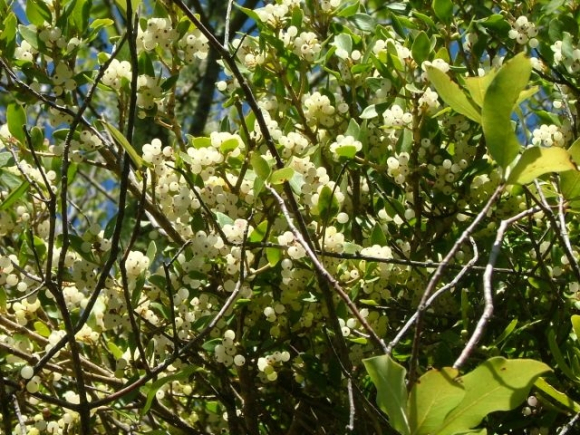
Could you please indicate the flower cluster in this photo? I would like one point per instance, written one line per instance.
(524, 32)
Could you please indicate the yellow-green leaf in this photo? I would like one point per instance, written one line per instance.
(124, 143)
(496, 385)
(389, 379)
(499, 102)
(433, 396)
(452, 94)
(537, 161)
(478, 85)
(281, 175)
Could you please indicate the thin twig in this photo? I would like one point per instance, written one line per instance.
(487, 286)
(437, 275)
(450, 285)
(227, 25)
(568, 426)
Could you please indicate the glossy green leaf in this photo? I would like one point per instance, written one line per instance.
(37, 12)
(537, 161)
(16, 119)
(344, 42)
(273, 255)
(421, 48)
(547, 391)
(14, 196)
(452, 94)
(477, 86)
(570, 184)
(389, 378)
(42, 329)
(496, 385)
(443, 10)
(30, 35)
(433, 396)
(124, 143)
(258, 233)
(180, 376)
(8, 35)
(500, 98)
(327, 204)
(260, 165)
(151, 251)
(281, 175)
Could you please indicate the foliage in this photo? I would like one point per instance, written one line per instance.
(266, 217)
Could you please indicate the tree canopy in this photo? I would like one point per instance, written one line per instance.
(289, 217)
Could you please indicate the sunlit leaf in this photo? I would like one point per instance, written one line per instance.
(124, 143)
(496, 385)
(499, 102)
(433, 396)
(452, 94)
(389, 379)
(537, 161)
(14, 196)
(281, 175)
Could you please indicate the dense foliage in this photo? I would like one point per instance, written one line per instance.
(297, 216)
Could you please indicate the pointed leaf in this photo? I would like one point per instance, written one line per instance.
(124, 143)
(570, 184)
(500, 98)
(496, 385)
(546, 390)
(327, 204)
(537, 161)
(433, 396)
(421, 48)
(281, 175)
(451, 93)
(16, 119)
(14, 196)
(389, 379)
(443, 10)
(477, 86)
(260, 165)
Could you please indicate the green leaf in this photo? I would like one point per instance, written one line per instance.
(259, 232)
(281, 175)
(496, 385)
(389, 379)
(14, 196)
(537, 161)
(260, 165)
(575, 319)
(559, 358)
(328, 205)
(477, 86)
(421, 48)
(443, 10)
(16, 119)
(364, 22)
(8, 35)
(546, 390)
(29, 35)
(124, 143)
(183, 374)
(433, 396)
(500, 98)
(229, 145)
(452, 94)
(274, 255)
(37, 12)
(223, 219)
(349, 10)
(343, 41)
(151, 251)
(41, 329)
